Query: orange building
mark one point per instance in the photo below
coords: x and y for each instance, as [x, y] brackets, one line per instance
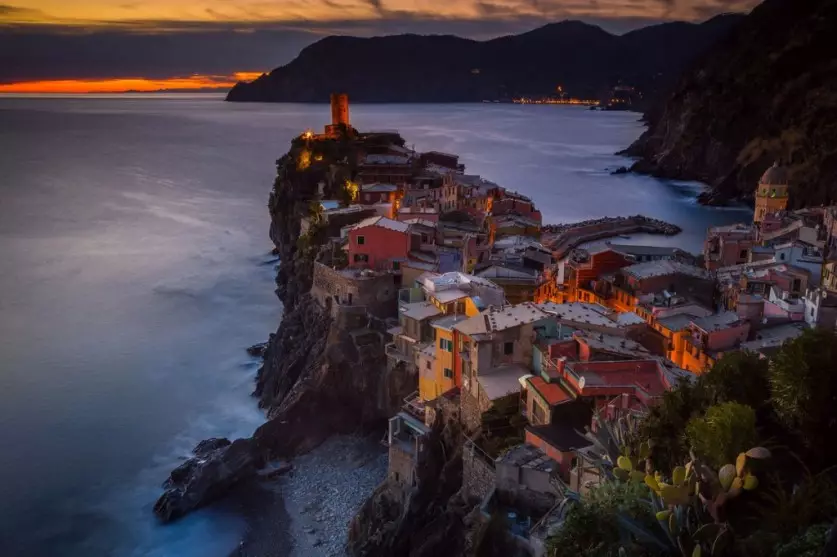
[772, 192]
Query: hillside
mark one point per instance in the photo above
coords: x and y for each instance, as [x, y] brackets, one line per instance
[586, 60]
[766, 92]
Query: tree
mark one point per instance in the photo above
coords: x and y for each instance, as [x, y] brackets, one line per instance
[723, 432]
[738, 377]
[803, 386]
[665, 425]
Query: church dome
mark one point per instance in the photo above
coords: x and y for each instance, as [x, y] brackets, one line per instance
[776, 175]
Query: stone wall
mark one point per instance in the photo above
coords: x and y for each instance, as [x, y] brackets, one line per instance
[376, 293]
[444, 409]
[401, 465]
[477, 473]
[470, 412]
[474, 403]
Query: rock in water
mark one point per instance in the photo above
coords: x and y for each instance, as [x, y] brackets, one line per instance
[207, 446]
[207, 476]
[257, 350]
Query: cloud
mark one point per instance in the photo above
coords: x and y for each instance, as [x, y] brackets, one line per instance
[15, 14]
[216, 37]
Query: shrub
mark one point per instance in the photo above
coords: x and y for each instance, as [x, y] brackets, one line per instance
[723, 432]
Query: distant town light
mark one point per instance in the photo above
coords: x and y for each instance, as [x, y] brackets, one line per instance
[307, 134]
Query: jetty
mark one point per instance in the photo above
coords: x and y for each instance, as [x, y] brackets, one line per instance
[562, 238]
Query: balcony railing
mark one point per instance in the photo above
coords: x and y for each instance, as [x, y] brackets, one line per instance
[393, 352]
[414, 406]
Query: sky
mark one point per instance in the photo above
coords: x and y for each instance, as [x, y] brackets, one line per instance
[146, 45]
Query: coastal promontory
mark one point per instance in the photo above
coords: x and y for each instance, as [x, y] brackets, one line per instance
[583, 59]
[765, 93]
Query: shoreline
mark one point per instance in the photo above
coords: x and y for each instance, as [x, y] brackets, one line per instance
[307, 512]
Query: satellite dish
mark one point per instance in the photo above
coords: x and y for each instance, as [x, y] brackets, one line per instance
[581, 383]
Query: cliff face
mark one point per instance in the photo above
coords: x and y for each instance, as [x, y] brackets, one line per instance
[586, 60]
[432, 519]
[767, 92]
[320, 376]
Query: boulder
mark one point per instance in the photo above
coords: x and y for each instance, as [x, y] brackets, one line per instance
[257, 350]
[208, 446]
[206, 476]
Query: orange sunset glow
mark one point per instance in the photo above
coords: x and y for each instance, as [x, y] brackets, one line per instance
[139, 84]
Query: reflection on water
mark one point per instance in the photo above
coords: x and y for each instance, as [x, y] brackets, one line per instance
[135, 270]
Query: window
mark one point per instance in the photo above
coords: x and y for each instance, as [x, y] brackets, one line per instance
[538, 414]
[361, 240]
[445, 344]
[396, 265]
[508, 348]
[361, 258]
[743, 254]
[427, 364]
[448, 373]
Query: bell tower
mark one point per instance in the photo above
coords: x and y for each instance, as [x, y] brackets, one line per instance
[772, 192]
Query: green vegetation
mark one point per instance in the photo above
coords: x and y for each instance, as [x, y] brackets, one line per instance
[724, 431]
[698, 467]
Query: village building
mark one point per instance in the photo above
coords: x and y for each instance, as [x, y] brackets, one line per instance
[710, 337]
[493, 351]
[728, 245]
[518, 282]
[387, 169]
[378, 243]
[378, 193]
[821, 308]
[768, 341]
[581, 316]
[772, 192]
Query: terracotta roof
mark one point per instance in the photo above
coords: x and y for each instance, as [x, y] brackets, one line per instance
[776, 175]
[552, 393]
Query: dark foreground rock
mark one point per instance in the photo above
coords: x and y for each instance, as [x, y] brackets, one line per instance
[215, 468]
[257, 350]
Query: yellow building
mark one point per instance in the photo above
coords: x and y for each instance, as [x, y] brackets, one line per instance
[772, 192]
[675, 330]
[443, 376]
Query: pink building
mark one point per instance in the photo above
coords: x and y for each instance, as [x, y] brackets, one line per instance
[726, 246]
[379, 243]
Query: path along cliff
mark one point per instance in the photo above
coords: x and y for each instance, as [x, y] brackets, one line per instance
[321, 376]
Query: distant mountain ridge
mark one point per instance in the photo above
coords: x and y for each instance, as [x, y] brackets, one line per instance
[767, 92]
[586, 60]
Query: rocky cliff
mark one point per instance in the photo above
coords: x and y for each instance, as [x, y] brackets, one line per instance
[586, 60]
[766, 92]
[320, 377]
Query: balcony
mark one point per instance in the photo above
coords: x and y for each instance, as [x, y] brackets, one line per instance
[414, 406]
[393, 352]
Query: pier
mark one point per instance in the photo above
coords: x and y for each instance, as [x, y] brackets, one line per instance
[562, 238]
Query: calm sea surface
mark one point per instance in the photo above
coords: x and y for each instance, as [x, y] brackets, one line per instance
[135, 269]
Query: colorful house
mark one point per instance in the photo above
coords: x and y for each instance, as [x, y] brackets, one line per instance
[444, 376]
[378, 243]
[712, 336]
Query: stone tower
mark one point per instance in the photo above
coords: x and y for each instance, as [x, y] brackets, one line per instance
[339, 109]
[772, 192]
